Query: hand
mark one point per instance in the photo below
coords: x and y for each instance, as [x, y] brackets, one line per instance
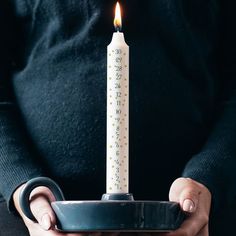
[195, 200]
[42, 211]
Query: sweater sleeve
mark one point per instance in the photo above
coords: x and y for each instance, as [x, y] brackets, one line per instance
[17, 163]
[215, 165]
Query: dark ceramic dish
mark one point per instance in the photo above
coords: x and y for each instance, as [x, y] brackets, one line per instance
[112, 213]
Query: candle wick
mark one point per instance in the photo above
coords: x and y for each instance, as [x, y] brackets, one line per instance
[118, 29]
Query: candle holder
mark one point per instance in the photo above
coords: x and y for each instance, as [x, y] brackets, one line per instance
[115, 212]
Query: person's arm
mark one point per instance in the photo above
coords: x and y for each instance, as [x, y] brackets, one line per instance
[208, 181]
[16, 157]
[215, 165]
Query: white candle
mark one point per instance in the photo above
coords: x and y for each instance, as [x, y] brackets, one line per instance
[118, 111]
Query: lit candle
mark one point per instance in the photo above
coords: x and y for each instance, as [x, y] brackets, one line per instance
[118, 110]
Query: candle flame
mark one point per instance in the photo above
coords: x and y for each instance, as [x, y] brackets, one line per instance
[118, 20]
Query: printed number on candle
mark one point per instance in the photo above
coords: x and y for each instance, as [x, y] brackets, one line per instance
[118, 68]
[119, 59]
[118, 51]
[117, 134]
[117, 86]
[118, 94]
[118, 76]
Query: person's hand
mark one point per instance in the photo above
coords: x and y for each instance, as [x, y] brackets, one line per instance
[195, 200]
[42, 211]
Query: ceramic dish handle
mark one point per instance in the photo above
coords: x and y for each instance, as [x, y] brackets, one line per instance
[24, 198]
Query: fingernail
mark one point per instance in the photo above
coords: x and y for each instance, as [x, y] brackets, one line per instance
[188, 205]
[46, 222]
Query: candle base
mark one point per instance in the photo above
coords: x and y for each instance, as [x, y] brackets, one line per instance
[114, 213]
[117, 196]
[118, 216]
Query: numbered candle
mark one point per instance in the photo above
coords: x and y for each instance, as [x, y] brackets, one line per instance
[118, 110]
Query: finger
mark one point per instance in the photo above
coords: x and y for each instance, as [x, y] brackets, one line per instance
[204, 231]
[189, 199]
[192, 226]
[186, 192]
[41, 232]
[43, 212]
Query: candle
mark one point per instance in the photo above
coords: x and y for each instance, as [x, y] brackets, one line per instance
[117, 110]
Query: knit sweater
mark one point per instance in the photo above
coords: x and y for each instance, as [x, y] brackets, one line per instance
[182, 95]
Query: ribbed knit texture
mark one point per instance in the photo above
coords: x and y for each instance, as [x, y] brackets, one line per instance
[16, 152]
[16, 161]
[182, 95]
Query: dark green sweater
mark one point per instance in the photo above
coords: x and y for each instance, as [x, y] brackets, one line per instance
[182, 94]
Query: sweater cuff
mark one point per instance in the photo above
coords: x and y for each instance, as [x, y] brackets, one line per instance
[18, 161]
[13, 183]
[208, 175]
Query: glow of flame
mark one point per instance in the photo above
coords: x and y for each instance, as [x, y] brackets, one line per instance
[118, 19]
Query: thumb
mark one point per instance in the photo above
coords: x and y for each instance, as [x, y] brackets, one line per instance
[185, 191]
[41, 209]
